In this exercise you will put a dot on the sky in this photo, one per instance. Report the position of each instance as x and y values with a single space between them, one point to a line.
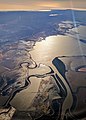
41 4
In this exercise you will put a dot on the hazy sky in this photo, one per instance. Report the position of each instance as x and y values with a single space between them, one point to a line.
41 4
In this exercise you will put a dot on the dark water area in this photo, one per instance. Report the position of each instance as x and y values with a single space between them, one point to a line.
84 41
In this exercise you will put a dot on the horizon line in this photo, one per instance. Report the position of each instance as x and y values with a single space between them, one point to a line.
41 10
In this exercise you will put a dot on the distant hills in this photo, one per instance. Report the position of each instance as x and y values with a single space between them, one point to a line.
30 25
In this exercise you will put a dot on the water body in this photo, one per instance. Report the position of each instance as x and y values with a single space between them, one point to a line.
54 46
81 31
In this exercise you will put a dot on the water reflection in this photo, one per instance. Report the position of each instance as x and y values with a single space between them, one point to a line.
54 46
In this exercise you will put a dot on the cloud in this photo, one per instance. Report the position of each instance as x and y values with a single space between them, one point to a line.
41 4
